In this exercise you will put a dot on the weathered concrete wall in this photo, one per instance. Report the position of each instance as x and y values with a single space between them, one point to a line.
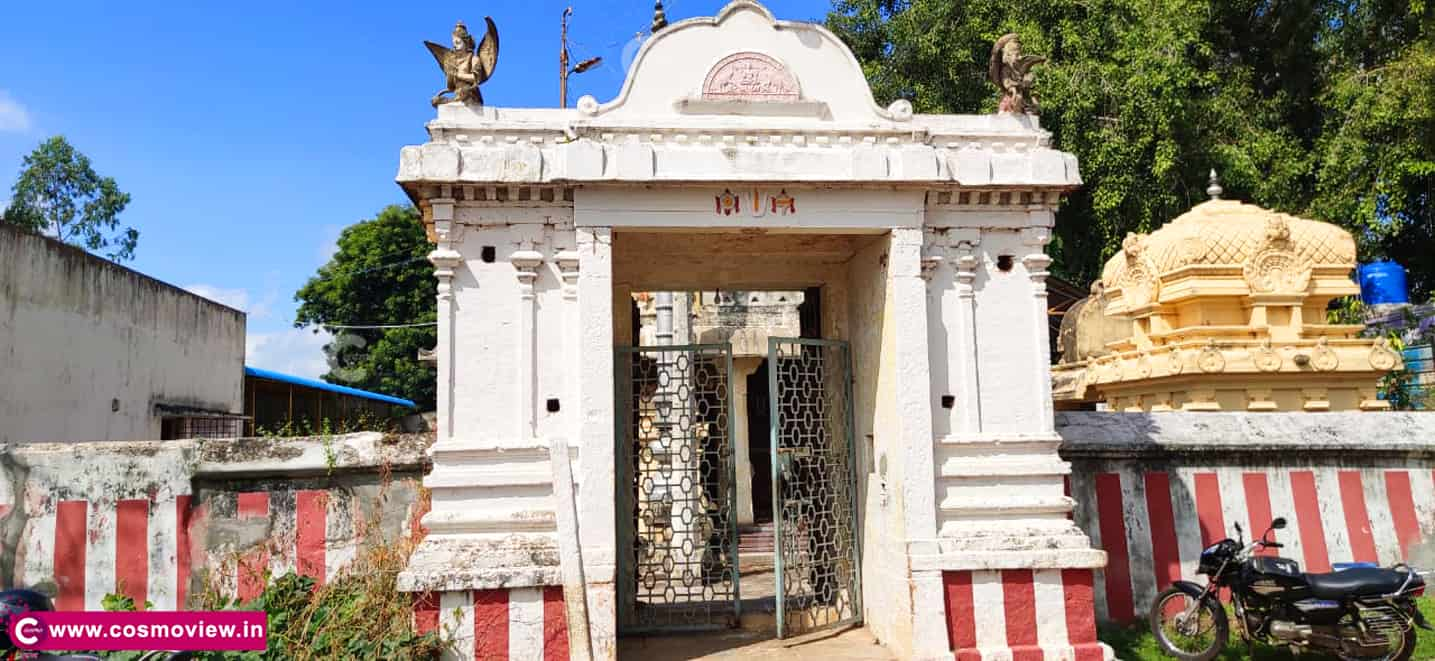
164 521
88 347
1153 489
878 449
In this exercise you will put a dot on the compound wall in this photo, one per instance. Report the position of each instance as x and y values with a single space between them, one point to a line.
88 348
165 521
1153 489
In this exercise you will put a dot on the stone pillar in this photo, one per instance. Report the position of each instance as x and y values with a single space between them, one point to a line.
907 303
596 458
742 368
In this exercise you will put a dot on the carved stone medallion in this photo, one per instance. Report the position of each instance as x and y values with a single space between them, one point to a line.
1323 358
1143 365
1382 357
750 76
1211 359
1176 362
1265 358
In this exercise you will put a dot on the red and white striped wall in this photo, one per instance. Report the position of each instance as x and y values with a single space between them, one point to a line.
1154 523
150 548
1022 615
518 624
87 549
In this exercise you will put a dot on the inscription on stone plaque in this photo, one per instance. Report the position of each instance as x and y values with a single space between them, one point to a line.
750 77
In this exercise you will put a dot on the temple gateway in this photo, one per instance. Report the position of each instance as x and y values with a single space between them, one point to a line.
891 427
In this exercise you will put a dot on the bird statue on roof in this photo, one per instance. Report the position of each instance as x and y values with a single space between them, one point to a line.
465 66
1010 70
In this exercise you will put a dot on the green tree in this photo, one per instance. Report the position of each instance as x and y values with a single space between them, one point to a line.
379 276
60 194
1315 107
1376 167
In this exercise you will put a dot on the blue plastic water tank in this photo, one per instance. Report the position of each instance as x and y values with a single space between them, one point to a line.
1383 282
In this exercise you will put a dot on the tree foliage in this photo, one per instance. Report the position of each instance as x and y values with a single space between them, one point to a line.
1321 108
60 194
379 276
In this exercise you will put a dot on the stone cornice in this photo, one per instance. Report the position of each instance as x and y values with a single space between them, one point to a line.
494 146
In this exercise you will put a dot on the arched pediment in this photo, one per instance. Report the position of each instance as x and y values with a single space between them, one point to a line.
743 61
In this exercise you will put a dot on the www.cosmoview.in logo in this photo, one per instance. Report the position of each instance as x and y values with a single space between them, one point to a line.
147 630
26 631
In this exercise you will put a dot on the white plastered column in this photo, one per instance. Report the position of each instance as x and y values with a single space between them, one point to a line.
597 515
907 289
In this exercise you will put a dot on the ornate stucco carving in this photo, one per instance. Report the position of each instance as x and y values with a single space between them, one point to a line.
1265 358
1143 365
1231 296
1138 281
749 76
1211 360
1382 356
467 65
1176 362
1230 233
1323 358
1277 269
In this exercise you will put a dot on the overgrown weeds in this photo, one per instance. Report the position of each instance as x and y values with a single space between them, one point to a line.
358 614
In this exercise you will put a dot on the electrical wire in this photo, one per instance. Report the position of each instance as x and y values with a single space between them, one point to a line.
380 267
375 326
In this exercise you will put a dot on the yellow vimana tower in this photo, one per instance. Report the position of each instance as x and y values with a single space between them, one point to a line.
1223 309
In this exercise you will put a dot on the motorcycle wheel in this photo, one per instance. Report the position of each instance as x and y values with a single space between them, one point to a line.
1402 652
1200 640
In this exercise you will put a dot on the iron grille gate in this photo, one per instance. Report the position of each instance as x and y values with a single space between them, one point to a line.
814 480
677 500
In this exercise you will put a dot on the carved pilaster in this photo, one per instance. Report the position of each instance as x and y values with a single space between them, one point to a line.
1036 262
526 262
966 265
930 264
963 256
446 260
567 261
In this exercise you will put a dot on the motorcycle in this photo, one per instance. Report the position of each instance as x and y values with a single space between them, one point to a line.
1363 613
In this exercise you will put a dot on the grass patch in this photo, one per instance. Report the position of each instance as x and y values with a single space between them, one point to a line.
1135 643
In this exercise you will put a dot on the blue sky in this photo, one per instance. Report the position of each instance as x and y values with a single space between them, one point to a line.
250 133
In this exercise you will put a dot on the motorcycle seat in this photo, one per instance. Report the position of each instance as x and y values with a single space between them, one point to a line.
1357 582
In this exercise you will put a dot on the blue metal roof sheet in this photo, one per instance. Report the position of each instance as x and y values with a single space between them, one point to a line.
320 385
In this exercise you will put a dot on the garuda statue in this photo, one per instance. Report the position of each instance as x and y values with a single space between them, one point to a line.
465 66
1010 71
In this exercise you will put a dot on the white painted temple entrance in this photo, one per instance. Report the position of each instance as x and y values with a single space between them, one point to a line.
912 475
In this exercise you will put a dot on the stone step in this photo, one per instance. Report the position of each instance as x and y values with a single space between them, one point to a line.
756 538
